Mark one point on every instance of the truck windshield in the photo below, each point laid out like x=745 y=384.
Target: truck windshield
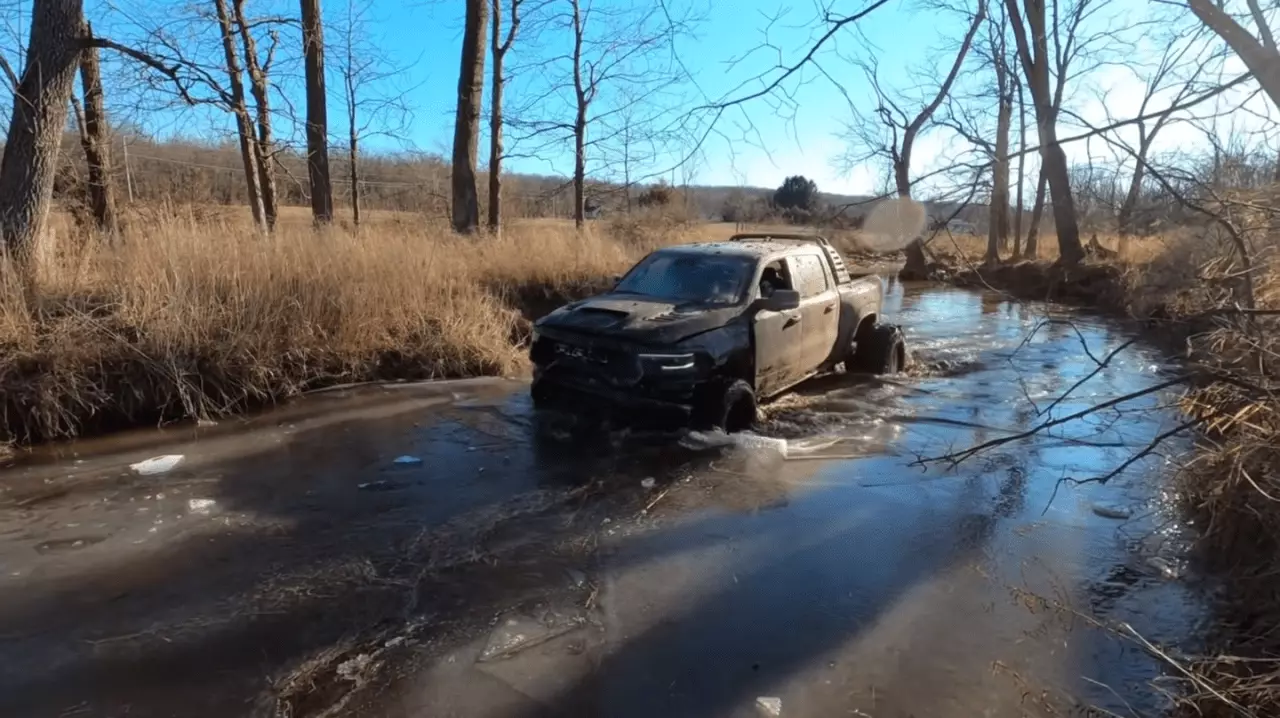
x=676 y=276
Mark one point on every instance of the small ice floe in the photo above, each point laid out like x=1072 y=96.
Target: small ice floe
x=158 y=464
x=201 y=506
x=769 y=705
x=406 y=459
x=648 y=482
x=749 y=441
x=1167 y=568
x=708 y=440
x=1112 y=512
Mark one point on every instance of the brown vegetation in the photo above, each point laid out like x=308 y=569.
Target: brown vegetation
x=200 y=317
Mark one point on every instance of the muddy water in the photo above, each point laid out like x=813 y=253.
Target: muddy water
x=289 y=563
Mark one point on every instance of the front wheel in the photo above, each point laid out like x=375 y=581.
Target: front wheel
x=882 y=351
x=727 y=404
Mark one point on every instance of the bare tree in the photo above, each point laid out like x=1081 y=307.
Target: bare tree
x=95 y=139
x=1259 y=54
x=901 y=129
x=374 y=104
x=466 y=129
x=1040 y=68
x=263 y=147
x=621 y=58
x=501 y=46
x=1166 y=75
x=317 y=114
x=35 y=126
x=239 y=107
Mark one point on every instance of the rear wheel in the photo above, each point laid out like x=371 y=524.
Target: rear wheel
x=728 y=404
x=882 y=350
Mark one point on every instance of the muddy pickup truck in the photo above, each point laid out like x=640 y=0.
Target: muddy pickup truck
x=703 y=332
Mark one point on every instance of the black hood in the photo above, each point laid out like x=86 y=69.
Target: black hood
x=637 y=318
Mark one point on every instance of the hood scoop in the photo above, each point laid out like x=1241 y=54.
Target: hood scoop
x=597 y=317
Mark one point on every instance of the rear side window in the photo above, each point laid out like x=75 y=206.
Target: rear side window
x=808 y=275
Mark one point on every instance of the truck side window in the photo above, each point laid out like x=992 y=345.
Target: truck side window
x=774 y=277
x=810 y=277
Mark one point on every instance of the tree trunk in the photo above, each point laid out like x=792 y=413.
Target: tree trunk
x=355 y=178
x=998 y=229
x=1022 y=165
x=317 y=114
x=262 y=101
x=1053 y=161
x=499 y=48
x=1037 y=211
x=35 y=127
x=1124 y=217
x=466 y=128
x=1263 y=62
x=244 y=124
x=96 y=141
x=583 y=97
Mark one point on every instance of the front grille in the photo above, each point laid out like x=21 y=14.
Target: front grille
x=616 y=367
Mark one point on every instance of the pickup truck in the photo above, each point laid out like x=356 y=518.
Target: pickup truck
x=705 y=331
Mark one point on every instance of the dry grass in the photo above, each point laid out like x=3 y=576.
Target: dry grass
x=198 y=316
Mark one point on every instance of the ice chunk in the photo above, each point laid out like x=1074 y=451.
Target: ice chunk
x=200 y=506
x=648 y=482
x=158 y=464
x=406 y=459
x=769 y=705
x=1112 y=512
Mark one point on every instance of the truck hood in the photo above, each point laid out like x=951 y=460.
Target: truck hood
x=640 y=319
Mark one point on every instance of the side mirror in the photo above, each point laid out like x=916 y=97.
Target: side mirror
x=782 y=300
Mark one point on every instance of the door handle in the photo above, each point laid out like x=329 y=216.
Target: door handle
x=828 y=309
x=793 y=320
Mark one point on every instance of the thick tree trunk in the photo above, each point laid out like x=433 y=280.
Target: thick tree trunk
x=1022 y=166
x=317 y=114
x=1263 y=62
x=1034 y=53
x=262 y=101
x=1037 y=211
x=35 y=127
x=466 y=129
x=998 y=229
x=244 y=124
x=96 y=141
x=499 y=50
x=1054 y=161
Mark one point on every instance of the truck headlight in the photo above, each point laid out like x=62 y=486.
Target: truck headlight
x=668 y=363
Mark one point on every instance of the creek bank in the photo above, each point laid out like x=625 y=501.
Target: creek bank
x=114 y=377
x=1237 y=535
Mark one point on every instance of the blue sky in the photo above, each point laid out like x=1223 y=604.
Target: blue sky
x=759 y=143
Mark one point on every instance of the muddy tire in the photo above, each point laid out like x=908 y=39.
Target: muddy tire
x=728 y=404
x=882 y=351
x=542 y=394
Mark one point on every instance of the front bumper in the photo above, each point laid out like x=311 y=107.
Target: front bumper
x=600 y=373
x=572 y=392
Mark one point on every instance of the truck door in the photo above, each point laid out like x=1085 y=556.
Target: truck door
x=819 y=309
x=778 y=337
